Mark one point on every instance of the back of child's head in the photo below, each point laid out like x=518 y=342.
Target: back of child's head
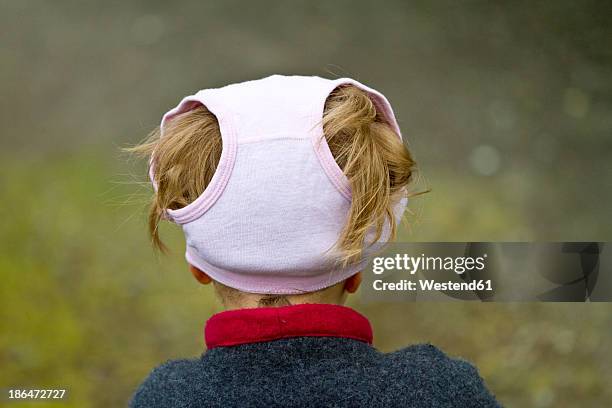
x=242 y=150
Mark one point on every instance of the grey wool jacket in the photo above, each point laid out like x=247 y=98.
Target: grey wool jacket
x=309 y=356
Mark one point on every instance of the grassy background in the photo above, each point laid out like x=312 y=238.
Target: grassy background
x=85 y=304
x=506 y=108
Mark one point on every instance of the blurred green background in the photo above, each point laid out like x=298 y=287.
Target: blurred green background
x=507 y=108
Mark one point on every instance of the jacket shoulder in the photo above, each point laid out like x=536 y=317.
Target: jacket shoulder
x=166 y=386
x=447 y=381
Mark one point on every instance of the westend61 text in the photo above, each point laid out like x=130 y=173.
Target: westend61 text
x=428 y=285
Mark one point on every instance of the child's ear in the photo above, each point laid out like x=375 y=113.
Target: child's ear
x=203 y=278
x=352 y=284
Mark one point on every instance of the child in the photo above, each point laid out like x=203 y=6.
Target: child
x=283 y=186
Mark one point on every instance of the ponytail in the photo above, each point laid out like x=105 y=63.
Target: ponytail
x=184 y=160
x=375 y=161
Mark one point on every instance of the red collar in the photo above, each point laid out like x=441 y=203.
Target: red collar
x=262 y=324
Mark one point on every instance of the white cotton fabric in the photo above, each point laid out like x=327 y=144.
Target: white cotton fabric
x=269 y=219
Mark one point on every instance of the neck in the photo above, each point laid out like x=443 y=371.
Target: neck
x=233 y=299
x=253 y=300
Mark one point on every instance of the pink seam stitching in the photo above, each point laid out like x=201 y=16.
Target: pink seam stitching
x=340 y=183
x=209 y=197
x=334 y=173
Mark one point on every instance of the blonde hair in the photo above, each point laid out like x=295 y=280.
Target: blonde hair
x=375 y=161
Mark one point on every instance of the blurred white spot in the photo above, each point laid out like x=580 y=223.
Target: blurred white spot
x=148 y=29
x=576 y=102
x=502 y=115
x=485 y=160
